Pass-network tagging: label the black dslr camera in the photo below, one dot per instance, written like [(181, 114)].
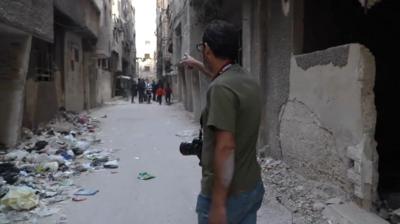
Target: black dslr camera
[(194, 148)]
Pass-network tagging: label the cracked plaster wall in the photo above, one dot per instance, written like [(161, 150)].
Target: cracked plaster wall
[(327, 126)]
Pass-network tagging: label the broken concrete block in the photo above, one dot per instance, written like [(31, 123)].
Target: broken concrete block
[(350, 213), (318, 206)]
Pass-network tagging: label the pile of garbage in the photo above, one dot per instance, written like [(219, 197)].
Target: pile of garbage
[(303, 198), (36, 174)]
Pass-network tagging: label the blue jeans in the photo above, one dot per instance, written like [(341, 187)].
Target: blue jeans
[(241, 208)]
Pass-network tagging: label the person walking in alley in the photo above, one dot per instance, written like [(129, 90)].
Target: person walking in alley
[(168, 93), (134, 89), (149, 91), (141, 88), (160, 93), (154, 87), (232, 190)]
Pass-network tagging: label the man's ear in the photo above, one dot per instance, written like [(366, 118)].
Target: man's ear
[(207, 49)]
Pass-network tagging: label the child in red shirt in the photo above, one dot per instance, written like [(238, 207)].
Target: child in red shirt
[(160, 93)]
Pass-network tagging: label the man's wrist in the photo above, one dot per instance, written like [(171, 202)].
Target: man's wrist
[(218, 203)]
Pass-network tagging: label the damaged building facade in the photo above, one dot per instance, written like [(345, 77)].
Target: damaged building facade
[(57, 54), (328, 75)]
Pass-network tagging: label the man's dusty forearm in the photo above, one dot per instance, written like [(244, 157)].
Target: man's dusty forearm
[(224, 168)]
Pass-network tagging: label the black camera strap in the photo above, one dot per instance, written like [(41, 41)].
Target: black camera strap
[(201, 128)]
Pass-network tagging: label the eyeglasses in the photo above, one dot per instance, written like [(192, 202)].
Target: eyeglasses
[(200, 47)]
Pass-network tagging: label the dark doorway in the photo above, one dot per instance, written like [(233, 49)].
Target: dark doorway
[(336, 22)]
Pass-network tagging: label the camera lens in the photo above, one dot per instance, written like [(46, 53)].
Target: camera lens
[(186, 149)]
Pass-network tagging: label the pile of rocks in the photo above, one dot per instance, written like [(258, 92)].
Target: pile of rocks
[(36, 174), (304, 198)]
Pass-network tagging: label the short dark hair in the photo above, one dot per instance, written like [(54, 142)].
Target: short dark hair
[(223, 39)]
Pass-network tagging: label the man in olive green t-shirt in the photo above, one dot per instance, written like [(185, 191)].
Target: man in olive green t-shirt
[(231, 186)]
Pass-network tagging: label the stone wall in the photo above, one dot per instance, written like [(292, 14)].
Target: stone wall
[(327, 126), (35, 17)]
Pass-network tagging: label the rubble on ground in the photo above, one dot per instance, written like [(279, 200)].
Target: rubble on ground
[(36, 175), (305, 199)]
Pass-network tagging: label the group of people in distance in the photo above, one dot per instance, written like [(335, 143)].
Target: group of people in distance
[(149, 91)]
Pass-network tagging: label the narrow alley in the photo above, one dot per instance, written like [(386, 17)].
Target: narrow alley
[(296, 100)]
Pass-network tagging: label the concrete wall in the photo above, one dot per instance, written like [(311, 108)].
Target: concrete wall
[(35, 17), (73, 69), (275, 84), (41, 103), (14, 61), (84, 13), (103, 45), (104, 90), (327, 126)]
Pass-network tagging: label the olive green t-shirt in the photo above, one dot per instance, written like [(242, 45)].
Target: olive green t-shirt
[(234, 105)]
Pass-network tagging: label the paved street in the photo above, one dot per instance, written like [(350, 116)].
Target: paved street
[(146, 139), (149, 133)]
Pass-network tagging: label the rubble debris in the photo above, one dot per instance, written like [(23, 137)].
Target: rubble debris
[(20, 198), (51, 166), (334, 201), (306, 199), (16, 155), (36, 174), (318, 206), (9, 172), (45, 212), (38, 146)]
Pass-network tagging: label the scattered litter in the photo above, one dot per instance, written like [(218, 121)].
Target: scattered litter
[(78, 199), (3, 191), (16, 155), (20, 198), (36, 174), (4, 219), (105, 116), (86, 192), (51, 166), (9, 172), (145, 176), (38, 146), (111, 164), (45, 212)]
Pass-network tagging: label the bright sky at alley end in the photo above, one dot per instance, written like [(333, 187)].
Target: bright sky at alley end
[(145, 24)]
